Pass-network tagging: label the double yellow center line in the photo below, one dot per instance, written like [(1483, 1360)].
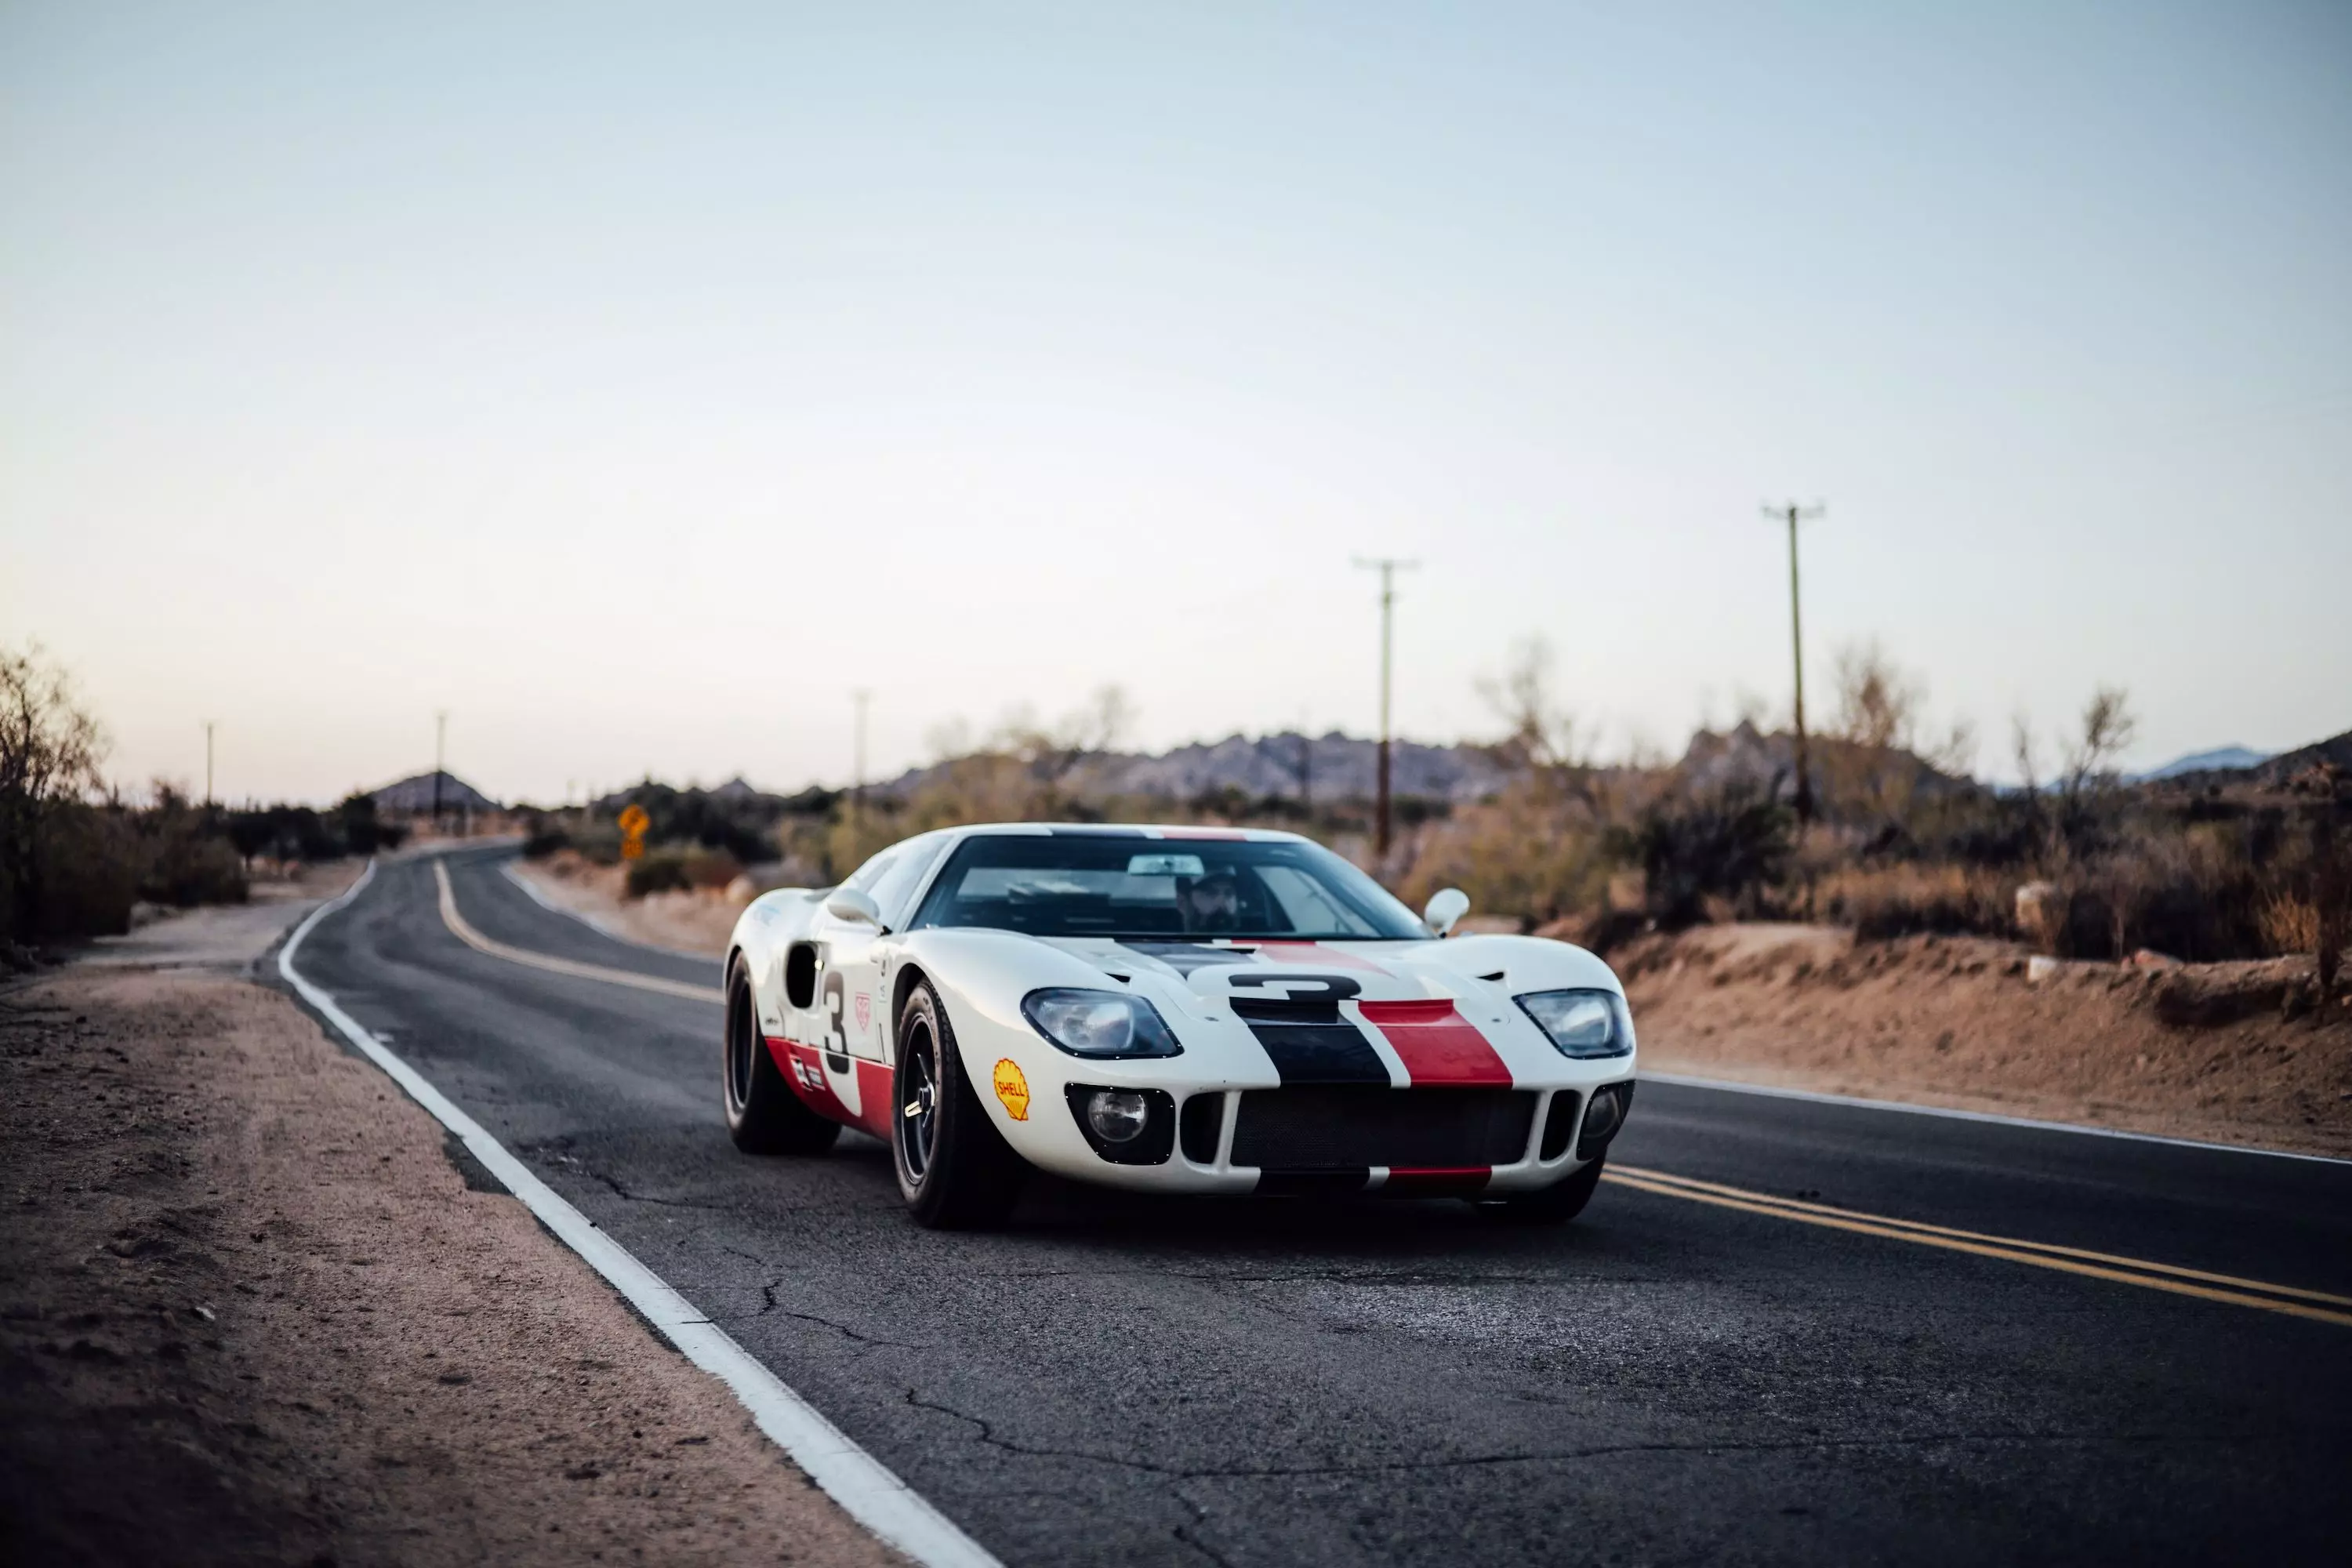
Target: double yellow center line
[(465, 932), (2295, 1302)]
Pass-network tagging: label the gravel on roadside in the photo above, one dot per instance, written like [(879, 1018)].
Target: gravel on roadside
[(250, 1312)]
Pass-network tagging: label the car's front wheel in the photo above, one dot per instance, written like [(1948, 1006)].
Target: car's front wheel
[(955, 1170), (764, 1115), (1563, 1200)]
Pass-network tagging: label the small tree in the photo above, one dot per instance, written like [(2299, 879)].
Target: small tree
[(50, 751)]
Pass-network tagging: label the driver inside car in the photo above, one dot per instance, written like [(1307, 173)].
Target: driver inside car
[(1211, 902)]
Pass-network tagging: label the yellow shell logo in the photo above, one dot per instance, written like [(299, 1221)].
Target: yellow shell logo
[(1013, 1089)]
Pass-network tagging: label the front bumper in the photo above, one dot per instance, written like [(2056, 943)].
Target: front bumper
[(1402, 1142)]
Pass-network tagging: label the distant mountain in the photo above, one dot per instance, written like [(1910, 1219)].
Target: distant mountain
[(2220, 759), (413, 797), (1286, 766), (2284, 768), (1747, 755)]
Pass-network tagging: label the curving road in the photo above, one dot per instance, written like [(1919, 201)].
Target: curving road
[(1754, 1348)]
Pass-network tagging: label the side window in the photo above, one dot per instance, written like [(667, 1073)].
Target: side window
[(899, 880), (873, 871)]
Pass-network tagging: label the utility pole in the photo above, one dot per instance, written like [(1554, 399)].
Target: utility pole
[(1388, 566), (858, 788), (440, 749), (208, 765), (1794, 514)]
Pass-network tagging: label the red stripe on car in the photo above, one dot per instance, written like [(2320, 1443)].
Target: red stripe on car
[(876, 1092), (804, 1068), (1438, 1044)]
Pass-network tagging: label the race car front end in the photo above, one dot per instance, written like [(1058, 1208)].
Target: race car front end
[(1408, 1068)]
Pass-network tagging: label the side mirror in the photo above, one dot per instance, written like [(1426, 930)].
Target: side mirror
[(849, 904), (1446, 907)]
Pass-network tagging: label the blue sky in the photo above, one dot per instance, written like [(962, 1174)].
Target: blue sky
[(636, 381)]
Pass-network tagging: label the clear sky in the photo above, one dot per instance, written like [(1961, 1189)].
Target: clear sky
[(636, 381)]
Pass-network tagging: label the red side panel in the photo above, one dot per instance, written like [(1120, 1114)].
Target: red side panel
[(1315, 955), (1441, 1182), (805, 1071), (874, 1094), (1438, 1044)]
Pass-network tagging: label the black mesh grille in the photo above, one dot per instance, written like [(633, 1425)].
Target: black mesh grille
[(1343, 1126)]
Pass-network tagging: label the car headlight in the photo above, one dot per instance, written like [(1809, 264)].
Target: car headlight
[(1582, 1024), (1099, 1024)]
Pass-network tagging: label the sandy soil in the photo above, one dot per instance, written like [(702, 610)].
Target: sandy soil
[(2202, 1051), (696, 923), (251, 1312)]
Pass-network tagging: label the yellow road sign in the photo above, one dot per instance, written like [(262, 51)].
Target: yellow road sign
[(634, 820)]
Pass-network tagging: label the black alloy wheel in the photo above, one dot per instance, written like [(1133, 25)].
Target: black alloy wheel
[(955, 1170), (765, 1116)]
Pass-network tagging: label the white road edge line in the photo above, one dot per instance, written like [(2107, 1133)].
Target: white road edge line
[(852, 1478), (1821, 1097), (538, 895)]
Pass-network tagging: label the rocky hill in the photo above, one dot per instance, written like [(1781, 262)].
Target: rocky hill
[(414, 796)]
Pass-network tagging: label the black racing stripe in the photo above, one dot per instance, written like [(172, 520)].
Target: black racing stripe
[(1310, 1042), (1185, 957)]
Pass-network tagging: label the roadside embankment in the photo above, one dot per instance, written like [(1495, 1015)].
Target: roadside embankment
[(251, 1312), (2233, 1052), (686, 920)]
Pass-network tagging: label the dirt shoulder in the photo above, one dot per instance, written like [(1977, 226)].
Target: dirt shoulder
[(696, 922), (2228, 1053), (251, 1312)]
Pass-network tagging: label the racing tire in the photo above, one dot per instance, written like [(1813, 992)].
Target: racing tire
[(1554, 1204), (764, 1115), (955, 1170)]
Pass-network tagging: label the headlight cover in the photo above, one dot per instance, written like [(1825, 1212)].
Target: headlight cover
[(1100, 1024), (1581, 1025)]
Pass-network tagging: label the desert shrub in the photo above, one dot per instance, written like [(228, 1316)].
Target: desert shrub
[(711, 869), (362, 832), (1526, 853), (1901, 898), (2289, 921), (1726, 848), (661, 871), (285, 833), (188, 866), (88, 860)]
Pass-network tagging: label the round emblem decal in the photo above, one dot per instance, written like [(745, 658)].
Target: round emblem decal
[(1013, 1089)]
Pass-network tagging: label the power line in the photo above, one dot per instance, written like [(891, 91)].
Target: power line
[(209, 762), (1388, 566), (1793, 514)]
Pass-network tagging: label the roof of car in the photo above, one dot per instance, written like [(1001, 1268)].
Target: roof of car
[(1177, 830)]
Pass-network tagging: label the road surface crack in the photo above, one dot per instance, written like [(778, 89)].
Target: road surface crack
[(626, 1194), (985, 1433)]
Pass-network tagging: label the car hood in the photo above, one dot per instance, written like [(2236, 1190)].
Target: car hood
[(1366, 971)]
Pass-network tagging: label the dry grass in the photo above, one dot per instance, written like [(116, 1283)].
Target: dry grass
[(1904, 898)]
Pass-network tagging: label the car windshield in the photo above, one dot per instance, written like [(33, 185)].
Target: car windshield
[(1112, 884)]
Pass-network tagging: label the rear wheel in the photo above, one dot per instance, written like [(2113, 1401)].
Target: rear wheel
[(1562, 1201), (955, 1170), (764, 1115)]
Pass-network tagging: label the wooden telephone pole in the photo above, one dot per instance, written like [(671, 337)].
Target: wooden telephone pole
[(1388, 567), (1794, 514)]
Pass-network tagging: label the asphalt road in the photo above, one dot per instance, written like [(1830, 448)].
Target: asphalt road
[(1115, 1379)]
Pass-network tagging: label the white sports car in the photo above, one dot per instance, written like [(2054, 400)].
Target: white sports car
[(1172, 1009)]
